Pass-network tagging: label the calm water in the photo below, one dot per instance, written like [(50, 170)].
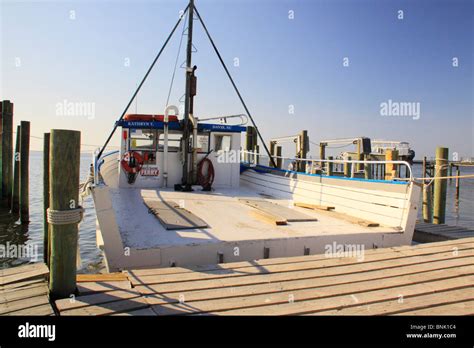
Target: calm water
[(31, 235)]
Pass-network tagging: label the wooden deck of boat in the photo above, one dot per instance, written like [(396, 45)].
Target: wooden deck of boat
[(24, 290), (428, 233), (426, 279)]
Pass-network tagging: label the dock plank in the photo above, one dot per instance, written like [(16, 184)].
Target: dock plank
[(427, 232)]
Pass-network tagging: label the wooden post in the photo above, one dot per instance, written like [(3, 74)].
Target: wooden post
[(16, 176), (458, 173), (279, 159), (257, 154), (7, 152), (440, 185), (427, 207), (450, 172), (322, 153), (359, 155), (272, 153), (64, 195), (347, 168), (304, 143), (250, 141), (24, 171), (367, 168), (46, 237), (329, 167), (391, 168)]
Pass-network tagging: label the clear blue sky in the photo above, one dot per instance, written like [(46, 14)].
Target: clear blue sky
[(282, 62)]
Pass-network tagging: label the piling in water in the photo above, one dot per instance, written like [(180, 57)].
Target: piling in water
[(15, 208), (440, 185), (7, 152), (24, 171), (64, 195), (46, 237)]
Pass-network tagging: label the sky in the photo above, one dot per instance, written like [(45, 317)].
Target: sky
[(325, 66)]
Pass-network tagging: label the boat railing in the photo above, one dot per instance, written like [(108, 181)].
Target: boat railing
[(315, 164)]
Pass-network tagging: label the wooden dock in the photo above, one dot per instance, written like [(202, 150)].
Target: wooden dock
[(426, 279), (24, 290), (428, 233)]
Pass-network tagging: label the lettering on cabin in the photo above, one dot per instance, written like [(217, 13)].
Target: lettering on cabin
[(149, 172)]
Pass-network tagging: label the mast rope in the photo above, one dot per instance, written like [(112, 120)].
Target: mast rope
[(235, 86), (176, 61), (142, 82)]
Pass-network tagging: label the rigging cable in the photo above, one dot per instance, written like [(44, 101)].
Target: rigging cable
[(235, 87), (143, 81), (176, 61)]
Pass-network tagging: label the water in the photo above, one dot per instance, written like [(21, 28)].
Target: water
[(31, 235)]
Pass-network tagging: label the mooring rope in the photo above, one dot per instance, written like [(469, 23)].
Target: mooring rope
[(65, 217)]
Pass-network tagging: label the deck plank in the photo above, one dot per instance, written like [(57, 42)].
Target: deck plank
[(154, 297), (328, 265), (407, 303), (278, 211), (172, 216)]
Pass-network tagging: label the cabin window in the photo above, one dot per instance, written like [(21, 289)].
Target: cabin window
[(143, 139), (222, 142), (202, 142), (174, 140)]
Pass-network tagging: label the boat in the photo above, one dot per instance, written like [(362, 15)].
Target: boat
[(187, 190)]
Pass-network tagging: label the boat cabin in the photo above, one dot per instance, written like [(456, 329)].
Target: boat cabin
[(151, 152)]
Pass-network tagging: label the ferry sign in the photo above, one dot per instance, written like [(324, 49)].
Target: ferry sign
[(149, 172)]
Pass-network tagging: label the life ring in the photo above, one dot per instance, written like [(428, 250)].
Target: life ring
[(149, 118), (132, 162)]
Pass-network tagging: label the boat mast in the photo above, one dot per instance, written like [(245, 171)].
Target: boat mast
[(188, 102)]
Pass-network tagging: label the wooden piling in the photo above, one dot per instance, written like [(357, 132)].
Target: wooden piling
[(330, 167), (303, 150), (440, 185), (391, 168), (15, 208), (458, 173), (24, 171), (347, 168), (279, 159), (7, 152), (46, 236), (272, 153), (427, 206), (64, 195), (257, 154), (367, 168), (322, 153), (250, 141)]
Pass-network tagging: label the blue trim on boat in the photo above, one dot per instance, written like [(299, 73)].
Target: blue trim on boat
[(269, 169), (209, 127)]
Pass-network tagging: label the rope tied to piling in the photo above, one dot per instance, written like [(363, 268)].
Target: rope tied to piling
[(65, 217)]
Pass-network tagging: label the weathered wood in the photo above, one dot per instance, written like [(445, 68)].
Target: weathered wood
[(15, 208), (312, 300), (279, 159), (154, 298), (108, 308), (101, 277), (172, 216), (407, 303), (24, 172), (347, 168), (426, 233), (279, 212), (314, 206), (46, 234), (367, 167), (64, 195), (138, 312), (22, 273), (350, 218), (95, 299), (43, 310), (228, 278), (462, 308), (268, 218), (85, 288), (7, 152), (390, 168), (378, 254), (303, 150), (440, 186), (329, 166)]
